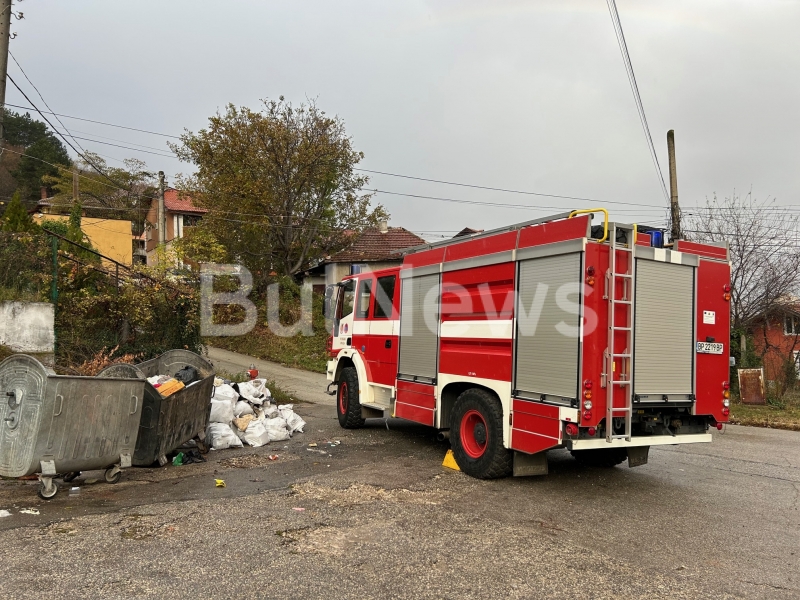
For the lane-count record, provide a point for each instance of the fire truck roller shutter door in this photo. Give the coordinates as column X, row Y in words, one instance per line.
column 548, row 343
column 419, row 326
column 663, row 345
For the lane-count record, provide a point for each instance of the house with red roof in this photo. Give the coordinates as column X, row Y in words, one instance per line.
column 181, row 214
column 371, row 250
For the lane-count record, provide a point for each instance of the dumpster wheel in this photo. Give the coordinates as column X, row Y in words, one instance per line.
column 47, row 488
column 113, row 474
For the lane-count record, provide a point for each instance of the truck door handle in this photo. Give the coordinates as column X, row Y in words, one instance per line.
column 387, row 344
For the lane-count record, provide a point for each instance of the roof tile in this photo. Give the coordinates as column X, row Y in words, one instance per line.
column 373, row 246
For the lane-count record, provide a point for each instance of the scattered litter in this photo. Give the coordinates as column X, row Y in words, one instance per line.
column 91, row 481
column 74, row 491
column 220, row 482
column 323, row 452
column 273, row 457
column 298, row 508
column 29, row 511
column 178, row 460
column 4, row 513
column 312, row 445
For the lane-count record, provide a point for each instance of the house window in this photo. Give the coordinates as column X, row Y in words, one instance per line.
column 190, row 220
column 791, row 325
column 357, row 268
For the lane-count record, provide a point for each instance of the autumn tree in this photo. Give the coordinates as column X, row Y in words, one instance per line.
column 41, row 150
column 280, row 184
column 112, row 193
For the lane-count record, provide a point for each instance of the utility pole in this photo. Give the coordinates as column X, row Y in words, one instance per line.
column 162, row 216
column 5, row 36
column 675, row 210
column 75, row 188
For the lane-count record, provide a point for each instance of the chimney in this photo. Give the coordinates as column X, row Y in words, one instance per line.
column 383, row 226
column 43, row 193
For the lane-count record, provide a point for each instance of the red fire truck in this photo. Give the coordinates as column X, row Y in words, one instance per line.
column 546, row 334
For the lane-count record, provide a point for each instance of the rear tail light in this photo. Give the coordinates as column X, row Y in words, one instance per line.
column 727, row 297
column 726, row 394
column 726, row 385
column 726, row 411
column 590, row 281
column 587, row 415
column 727, row 287
column 572, row 429
column 587, row 404
column 588, row 395
column 726, row 402
column 592, row 431
column 587, row 384
column 720, row 426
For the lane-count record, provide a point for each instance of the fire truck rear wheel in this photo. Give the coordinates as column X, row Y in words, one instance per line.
column 347, row 406
column 476, row 435
column 601, row 457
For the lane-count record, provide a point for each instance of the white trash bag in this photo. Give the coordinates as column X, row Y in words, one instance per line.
column 294, row 422
column 254, row 391
column 276, row 428
column 255, row 435
column 221, row 411
column 242, row 408
column 226, row 392
column 220, row 436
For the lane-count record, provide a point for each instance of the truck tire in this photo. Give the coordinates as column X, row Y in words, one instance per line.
column 601, row 457
column 476, row 435
column 347, row 406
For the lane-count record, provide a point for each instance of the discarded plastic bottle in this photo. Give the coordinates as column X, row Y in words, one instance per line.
column 74, row 491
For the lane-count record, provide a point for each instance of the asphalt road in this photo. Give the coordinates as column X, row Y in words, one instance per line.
column 382, row 518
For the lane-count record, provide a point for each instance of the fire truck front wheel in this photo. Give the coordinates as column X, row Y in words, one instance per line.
column 476, row 435
column 347, row 405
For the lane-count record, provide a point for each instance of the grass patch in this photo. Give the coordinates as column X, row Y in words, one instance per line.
column 302, row 352
column 776, row 414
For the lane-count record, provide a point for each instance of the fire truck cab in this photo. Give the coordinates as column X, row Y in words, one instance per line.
column 546, row 334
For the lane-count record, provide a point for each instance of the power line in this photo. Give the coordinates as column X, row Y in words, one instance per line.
column 119, row 146
column 623, row 48
column 42, row 97
column 83, row 156
column 97, row 122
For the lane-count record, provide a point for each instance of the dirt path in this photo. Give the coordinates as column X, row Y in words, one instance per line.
column 304, row 385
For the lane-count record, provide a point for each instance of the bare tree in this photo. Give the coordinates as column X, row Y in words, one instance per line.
column 765, row 258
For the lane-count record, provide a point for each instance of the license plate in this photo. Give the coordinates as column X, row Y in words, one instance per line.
column 709, row 348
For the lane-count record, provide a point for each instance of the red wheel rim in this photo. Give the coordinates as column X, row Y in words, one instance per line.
column 474, row 434
column 343, row 397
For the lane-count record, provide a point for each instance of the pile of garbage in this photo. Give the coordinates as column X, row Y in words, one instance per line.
column 167, row 385
column 243, row 413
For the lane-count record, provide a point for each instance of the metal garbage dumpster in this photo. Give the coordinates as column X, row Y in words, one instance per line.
column 168, row 422
column 54, row 424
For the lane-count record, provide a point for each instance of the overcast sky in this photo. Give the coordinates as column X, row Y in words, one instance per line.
column 528, row 95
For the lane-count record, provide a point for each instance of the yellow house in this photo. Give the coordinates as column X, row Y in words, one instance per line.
column 110, row 237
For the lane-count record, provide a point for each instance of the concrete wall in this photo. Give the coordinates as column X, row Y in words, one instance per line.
column 110, row 237
column 27, row 326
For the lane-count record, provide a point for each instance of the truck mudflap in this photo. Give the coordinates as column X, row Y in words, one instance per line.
column 638, row 441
